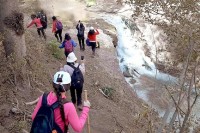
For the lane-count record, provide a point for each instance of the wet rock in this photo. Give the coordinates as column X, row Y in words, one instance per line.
column 127, row 74
column 132, row 81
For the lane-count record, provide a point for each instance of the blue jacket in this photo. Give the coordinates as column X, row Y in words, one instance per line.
column 63, row 44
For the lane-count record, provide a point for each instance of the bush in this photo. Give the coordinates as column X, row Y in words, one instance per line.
column 56, row 51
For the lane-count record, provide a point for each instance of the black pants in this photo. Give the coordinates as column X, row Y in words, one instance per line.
column 76, row 93
column 81, row 43
column 41, row 30
column 67, row 53
column 58, row 32
column 93, row 45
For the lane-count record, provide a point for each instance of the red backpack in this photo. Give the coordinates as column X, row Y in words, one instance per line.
column 68, row 46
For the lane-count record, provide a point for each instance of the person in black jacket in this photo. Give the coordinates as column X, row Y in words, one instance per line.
column 80, row 27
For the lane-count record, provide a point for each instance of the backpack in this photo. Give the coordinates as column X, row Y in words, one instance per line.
column 81, row 32
column 43, row 22
column 77, row 77
column 43, row 19
column 59, row 25
column 44, row 121
column 68, row 46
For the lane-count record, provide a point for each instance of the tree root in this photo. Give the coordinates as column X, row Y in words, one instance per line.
column 32, row 102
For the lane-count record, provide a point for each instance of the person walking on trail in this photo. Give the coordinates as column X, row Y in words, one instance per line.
column 92, row 39
column 63, row 112
column 81, row 29
column 57, row 28
column 76, row 72
column 38, row 24
column 68, row 44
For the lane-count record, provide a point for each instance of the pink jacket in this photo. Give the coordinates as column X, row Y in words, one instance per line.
column 35, row 21
column 71, row 117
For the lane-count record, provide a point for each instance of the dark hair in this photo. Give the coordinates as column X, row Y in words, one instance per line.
column 70, row 63
column 67, row 36
column 33, row 16
column 91, row 32
column 58, row 89
column 54, row 18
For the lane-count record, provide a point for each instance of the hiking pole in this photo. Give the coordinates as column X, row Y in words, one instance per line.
column 88, row 119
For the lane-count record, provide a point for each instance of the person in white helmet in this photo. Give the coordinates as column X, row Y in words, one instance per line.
column 76, row 71
column 64, row 114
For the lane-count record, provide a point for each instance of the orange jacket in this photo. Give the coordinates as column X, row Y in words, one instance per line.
column 92, row 38
column 54, row 26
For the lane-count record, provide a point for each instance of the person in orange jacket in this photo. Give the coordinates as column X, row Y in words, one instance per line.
column 92, row 38
column 57, row 28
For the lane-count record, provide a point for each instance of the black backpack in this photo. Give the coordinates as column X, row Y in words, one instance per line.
column 44, row 121
column 43, row 19
column 77, row 77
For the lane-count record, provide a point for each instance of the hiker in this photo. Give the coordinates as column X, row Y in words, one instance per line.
column 80, row 27
column 92, row 38
column 38, row 24
column 62, row 113
column 57, row 28
column 43, row 18
column 76, row 72
column 68, row 44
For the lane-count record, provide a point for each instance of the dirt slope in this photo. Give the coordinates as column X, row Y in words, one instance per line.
column 122, row 112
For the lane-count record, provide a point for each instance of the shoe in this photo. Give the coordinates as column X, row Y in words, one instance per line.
column 80, row 108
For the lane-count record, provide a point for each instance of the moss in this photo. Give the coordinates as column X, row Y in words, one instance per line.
column 56, row 51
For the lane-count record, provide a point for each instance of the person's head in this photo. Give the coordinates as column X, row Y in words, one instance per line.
column 71, row 58
column 33, row 16
column 67, row 36
column 54, row 18
column 91, row 31
column 61, row 82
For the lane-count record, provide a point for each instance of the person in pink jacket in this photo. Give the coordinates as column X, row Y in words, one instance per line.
column 61, row 84
column 38, row 24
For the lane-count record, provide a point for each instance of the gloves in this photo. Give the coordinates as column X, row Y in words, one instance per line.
column 86, row 104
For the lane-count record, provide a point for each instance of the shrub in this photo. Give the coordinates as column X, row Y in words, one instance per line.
column 56, row 51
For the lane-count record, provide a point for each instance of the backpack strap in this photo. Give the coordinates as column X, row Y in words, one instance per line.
column 44, row 99
column 72, row 66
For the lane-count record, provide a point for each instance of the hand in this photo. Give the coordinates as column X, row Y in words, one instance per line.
column 86, row 104
column 82, row 61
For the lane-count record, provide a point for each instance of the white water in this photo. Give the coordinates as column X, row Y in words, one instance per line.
column 131, row 54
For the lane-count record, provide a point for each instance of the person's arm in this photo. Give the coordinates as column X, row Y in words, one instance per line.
column 37, row 107
column 32, row 22
column 77, row 123
column 54, row 27
column 97, row 32
column 77, row 27
column 62, row 45
column 82, row 67
column 73, row 43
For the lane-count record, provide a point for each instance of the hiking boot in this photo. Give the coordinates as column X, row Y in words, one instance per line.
column 79, row 107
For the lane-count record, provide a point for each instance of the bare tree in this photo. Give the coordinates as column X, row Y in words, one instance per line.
column 12, row 28
column 180, row 22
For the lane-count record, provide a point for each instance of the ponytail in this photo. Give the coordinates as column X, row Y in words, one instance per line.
column 58, row 89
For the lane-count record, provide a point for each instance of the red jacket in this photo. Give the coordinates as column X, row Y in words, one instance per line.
column 92, row 38
column 54, row 26
column 35, row 21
